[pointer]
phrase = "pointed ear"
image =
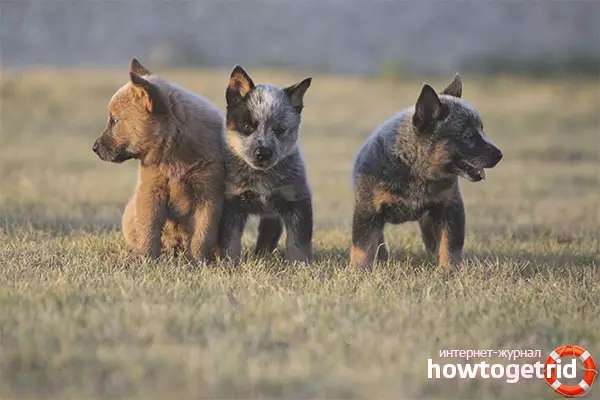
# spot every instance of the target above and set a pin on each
(149, 93)
(135, 66)
(296, 93)
(454, 88)
(428, 109)
(240, 84)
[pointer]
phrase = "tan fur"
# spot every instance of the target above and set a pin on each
(179, 139)
(375, 249)
(205, 228)
(359, 257)
(240, 83)
(128, 223)
(234, 141)
(382, 197)
(233, 190)
(446, 257)
(174, 238)
(439, 158)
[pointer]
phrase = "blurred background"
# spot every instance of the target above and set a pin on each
(334, 36)
(532, 68)
(79, 319)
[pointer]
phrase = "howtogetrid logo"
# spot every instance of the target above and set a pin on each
(552, 371)
(589, 366)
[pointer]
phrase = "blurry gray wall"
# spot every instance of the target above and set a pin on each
(354, 36)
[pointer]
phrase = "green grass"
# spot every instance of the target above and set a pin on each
(79, 319)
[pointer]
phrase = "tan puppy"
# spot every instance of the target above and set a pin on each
(178, 137)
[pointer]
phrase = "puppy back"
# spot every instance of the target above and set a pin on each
(195, 116)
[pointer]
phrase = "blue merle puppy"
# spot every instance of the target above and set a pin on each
(266, 175)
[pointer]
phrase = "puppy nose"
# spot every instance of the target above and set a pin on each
(95, 147)
(499, 155)
(263, 153)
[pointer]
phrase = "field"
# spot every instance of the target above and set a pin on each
(78, 319)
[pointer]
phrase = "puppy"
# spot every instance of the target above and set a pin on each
(266, 175)
(178, 138)
(408, 170)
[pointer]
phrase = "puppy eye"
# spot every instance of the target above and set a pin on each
(279, 130)
(247, 129)
(113, 120)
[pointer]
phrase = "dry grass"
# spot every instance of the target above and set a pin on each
(79, 320)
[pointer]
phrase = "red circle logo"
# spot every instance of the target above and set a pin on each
(588, 364)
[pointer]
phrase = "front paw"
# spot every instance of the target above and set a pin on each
(360, 258)
(299, 255)
(232, 259)
(145, 254)
(452, 261)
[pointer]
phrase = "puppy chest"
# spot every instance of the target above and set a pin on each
(398, 206)
(255, 202)
(399, 213)
(409, 203)
(258, 198)
(263, 204)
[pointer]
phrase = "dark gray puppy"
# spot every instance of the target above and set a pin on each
(408, 170)
(266, 175)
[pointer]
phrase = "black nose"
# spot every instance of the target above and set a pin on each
(498, 155)
(263, 153)
(95, 147)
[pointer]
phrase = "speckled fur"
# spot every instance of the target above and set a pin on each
(408, 170)
(265, 117)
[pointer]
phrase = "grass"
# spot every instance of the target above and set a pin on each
(79, 319)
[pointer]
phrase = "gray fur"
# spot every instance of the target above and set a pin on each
(270, 106)
(276, 189)
(408, 170)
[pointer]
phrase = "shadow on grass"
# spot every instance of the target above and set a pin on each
(527, 260)
(559, 258)
(55, 226)
(524, 263)
(330, 259)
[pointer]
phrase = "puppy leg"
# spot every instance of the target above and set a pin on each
(269, 232)
(451, 234)
(233, 222)
(128, 224)
(204, 232)
(298, 220)
(382, 251)
(367, 237)
(430, 232)
(151, 215)
(174, 238)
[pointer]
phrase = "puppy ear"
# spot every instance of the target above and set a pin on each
(149, 93)
(428, 110)
(454, 88)
(296, 93)
(138, 68)
(240, 84)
